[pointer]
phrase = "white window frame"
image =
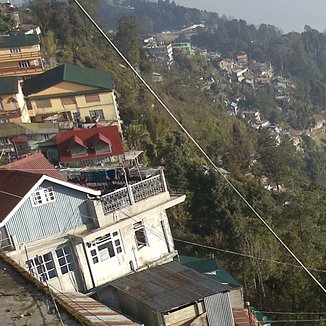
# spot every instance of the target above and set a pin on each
(140, 231)
(42, 267)
(106, 247)
(42, 196)
(65, 259)
(15, 49)
(24, 64)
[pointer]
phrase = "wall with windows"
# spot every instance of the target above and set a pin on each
(131, 244)
(51, 209)
(67, 98)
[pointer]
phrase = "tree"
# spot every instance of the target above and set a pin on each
(128, 39)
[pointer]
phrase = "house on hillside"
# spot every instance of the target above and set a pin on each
(18, 140)
(77, 239)
(169, 294)
(163, 53)
(72, 93)
(20, 55)
(89, 147)
(12, 104)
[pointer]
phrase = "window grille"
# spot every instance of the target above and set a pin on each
(42, 267)
(42, 196)
(140, 235)
(105, 247)
(65, 259)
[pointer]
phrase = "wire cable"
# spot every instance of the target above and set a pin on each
(245, 255)
(197, 145)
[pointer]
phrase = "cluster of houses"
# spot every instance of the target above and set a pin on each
(96, 226)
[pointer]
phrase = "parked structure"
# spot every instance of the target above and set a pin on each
(20, 55)
(72, 93)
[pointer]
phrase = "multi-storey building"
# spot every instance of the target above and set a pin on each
(20, 55)
(72, 93)
(12, 104)
(77, 239)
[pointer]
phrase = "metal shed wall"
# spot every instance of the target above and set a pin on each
(68, 211)
(219, 311)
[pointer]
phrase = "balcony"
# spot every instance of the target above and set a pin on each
(10, 57)
(17, 71)
(133, 193)
(149, 195)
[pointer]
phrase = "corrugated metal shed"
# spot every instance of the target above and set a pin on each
(94, 311)
(168, 286)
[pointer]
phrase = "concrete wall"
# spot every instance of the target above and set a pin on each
(159, 248)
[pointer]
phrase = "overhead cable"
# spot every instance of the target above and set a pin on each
(197, 145)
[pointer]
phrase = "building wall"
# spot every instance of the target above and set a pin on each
(32, 223)
(132, 255)
(25, 50)
(106, 102)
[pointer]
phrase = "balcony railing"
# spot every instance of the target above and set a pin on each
(20, 56)
(135, 193)
(5, 243)
(17, 71)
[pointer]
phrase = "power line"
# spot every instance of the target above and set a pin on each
(198, 146)
(245, 255)
(291, 313)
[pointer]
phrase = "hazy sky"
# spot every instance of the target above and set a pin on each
(289, 15)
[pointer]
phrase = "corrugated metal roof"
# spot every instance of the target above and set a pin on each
(36, 163)
(8, 85)
(94, 311)
(168, 286)
(69, 73)
(18, 40)
(210, 268)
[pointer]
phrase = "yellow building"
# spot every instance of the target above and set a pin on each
(12, 104)
(72, 93)
(20, 55)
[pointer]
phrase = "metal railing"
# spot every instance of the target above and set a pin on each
(5, 243)
(147, 188)
(30, 55)
(133, 193)
(115, 200)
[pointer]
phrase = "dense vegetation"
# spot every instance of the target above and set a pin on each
(214, 214)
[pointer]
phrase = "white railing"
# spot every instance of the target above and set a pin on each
(147, 188)
(133, 193)
(115, 200)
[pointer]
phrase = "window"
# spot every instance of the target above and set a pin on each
(1, 104)
(14, 104)
(24, 64)
(105, 247)
(68, 100)
(42, 196)
(66, 260)
(92, 98)
(44, 103)
(42, 267)
(96, 115)
(15, 50)
(140, 235)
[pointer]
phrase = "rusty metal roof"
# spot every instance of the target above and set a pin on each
(168, 286)
(94, 311)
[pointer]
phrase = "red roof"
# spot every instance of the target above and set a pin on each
(90, 137)
(14, 185)
(36, 163)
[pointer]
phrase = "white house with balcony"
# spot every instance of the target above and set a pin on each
(76, 239)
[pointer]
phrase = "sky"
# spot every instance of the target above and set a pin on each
(289, 15)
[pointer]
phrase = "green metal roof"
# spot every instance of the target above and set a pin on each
(16, 129)
(68, 73)
(8, 85)
(210, 268)
(18, 40)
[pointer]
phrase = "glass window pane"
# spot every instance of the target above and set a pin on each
(111, 250)
(72, 267)
(59, 253)
(64, 269)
